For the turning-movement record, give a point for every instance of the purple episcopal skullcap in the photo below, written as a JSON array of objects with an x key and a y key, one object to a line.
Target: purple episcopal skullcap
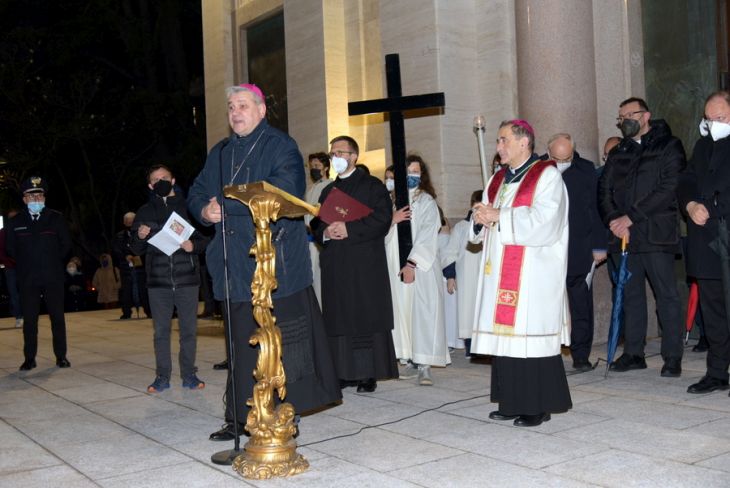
[
  {"x": 524, "y": 124},
  {"x": 255, "y": 89}
]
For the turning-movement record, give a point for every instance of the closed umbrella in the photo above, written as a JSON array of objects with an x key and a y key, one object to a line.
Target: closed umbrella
[
  {"x": 620, "y": 278},
  {"x": 692, "y": 301}
]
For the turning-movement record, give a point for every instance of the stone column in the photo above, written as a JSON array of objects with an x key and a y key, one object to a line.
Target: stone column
[
  {"x": 217, "y": 53},
  {"x": 556, "y": 70}
]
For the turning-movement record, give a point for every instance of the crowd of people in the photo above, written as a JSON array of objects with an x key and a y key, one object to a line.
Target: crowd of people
[{"x": 381, "y": 293}]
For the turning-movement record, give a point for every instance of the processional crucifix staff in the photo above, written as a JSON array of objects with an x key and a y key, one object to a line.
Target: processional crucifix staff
[{"x": 394, "y": 105}]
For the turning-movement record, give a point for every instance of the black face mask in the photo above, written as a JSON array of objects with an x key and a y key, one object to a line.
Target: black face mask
[
  {"x": 629, "y": 127},
  {"x": 162, "y": 188},
  {"x": 316, "y": 174}
]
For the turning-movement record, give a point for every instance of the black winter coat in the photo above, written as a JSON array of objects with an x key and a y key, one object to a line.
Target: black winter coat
[
  {"x": 276, "y": 159},
  {"x": 163, "y": 271},
  {"x": 39, "y": 248},
  {"x": 706, "y": 181},
  {"x": 587, "y": 232},
  {"x": 640, "y": 180}
]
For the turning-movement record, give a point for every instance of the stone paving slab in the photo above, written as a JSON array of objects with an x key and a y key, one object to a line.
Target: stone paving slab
[{"x": 94, "y": 424}]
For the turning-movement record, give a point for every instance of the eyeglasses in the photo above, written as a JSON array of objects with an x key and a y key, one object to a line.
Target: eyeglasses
[
  {"x": 339, "y": 153},
  {"x": 629, "y": 115},
  {"x": 35, "y": 197}
]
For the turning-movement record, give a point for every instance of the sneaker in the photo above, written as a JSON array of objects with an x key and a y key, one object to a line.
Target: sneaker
[
  {"x": 161, "y": 383},
  {"x": 424, "y": 375},
  {"x": 627, "y": 362},
  {"x": 409, "y": 372},
  {"x": 19, "y": 323},
  {"x": 193, "y": 382}
]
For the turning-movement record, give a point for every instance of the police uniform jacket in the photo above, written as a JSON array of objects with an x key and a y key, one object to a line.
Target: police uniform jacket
[{"x": 40, "y": 247}]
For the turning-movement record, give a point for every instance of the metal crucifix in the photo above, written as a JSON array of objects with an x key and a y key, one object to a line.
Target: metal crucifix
[{"x": 395, "y": 105}]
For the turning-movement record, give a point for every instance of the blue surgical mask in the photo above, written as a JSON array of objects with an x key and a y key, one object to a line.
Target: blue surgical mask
[
  {"x": 413, "y": 181},
  {"x": 36, "y": 207}
]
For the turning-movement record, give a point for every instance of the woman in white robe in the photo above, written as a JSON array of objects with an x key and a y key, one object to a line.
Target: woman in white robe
[{"x": 419, "y": 335}]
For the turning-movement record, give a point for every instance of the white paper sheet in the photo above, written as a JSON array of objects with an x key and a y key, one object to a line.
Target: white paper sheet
[
  {"x": 589, "y": 276},
  {"x": 175, "y": 231}
]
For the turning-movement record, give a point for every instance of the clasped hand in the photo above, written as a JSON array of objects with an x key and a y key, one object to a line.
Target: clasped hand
[
  {"x": 698, "y": 213},
  {"x": 485, "y": 214},
  {"x": 336, "y": 231},
  {"x": 620, "y": 226}
]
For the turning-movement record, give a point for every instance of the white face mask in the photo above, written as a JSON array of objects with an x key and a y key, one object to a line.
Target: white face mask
[
  {"x": 718, "y": 130},
  {"x": 339, "y": 164},
  {"x": 390, "y": 184}
]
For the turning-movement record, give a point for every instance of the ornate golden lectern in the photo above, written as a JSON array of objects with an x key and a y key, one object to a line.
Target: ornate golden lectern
[{"x": 271, "y": 450}]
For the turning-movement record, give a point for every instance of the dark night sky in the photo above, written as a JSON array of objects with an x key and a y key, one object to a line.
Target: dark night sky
[{"x": 91, "y": 94}]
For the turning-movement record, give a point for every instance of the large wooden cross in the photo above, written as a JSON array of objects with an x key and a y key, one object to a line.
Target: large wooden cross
[{"x": 395, "y": 105}]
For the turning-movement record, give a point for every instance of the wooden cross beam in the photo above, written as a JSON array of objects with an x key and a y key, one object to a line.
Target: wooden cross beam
[{"x": 394, "y": 106}]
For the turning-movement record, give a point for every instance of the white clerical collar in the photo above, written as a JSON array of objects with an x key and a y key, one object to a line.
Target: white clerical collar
[
  {"x": 348, "y": 174},
  {"x": 514, "y": 170}
]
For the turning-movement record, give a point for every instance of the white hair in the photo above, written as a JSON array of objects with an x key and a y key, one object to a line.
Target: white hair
[{"x": 238, "y": 89}]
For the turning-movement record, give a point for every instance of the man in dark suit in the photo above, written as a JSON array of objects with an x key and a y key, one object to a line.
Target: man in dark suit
[
  {"x": 586, "y": 242},
  {"x": 39, "y": 241},
  {"x": 704, "y": 195},
  {"x": 637, "y": 200}
]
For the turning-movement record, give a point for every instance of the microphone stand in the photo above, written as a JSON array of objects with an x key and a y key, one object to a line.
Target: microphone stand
[{"x": 227, "y": 457}]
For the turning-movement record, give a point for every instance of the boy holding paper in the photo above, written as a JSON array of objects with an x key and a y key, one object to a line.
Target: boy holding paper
[{"x": 162, "y": 231}]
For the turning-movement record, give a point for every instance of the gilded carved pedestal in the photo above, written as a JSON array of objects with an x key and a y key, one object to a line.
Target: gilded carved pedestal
[{"x": 271, "y": 450}]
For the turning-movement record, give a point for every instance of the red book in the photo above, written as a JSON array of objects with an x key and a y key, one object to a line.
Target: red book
[{"x": 341, "y": 207}]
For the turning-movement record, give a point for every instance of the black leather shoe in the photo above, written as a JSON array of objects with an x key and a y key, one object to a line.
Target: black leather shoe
[
  {"x": 27, "y": 365},
  {"x": 708, "y": 384},
  {"x": 497, "y": 415},
  {"x": 582, "y": 365},
  {"x": 367, "y": 386},
  {"x": 531, "y": 420},
  {"x": 672, "y": 368},
  {"x": 227, "y": 433},
  {"x": 627, "y": 362},
  {"x": 701, "y": 346},
  {"x": 222, "y": 365},
  {"x": 346, "y": 383},
  {"x": 125, "y": 317},
  {"x": 63, "y": 363}
]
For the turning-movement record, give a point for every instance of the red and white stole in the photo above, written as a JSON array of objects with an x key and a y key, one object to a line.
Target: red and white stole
[{"x": 510, "y": 274}]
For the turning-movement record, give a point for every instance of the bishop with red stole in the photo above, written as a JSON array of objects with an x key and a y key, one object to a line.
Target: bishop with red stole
[{"x": 522, "y": 315}]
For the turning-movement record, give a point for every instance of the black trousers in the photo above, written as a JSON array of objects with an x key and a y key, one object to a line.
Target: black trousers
[
  {"x": 126, "y": 300},
  {"x": 30, "y": 301},
  {"x": 716, "y": 328},
  {"x": 658, "y": 267},
  {"x": 580, "y": 301}
]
